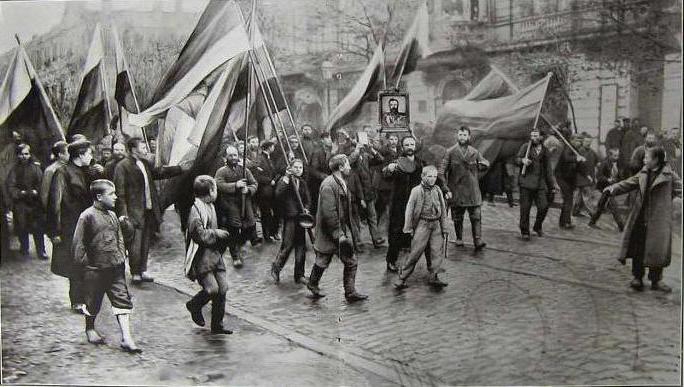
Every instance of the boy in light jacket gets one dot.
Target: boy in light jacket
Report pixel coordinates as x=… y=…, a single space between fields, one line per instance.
x=425 y=220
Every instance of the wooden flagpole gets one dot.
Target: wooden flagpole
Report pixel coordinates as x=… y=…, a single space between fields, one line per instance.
x=536 y=118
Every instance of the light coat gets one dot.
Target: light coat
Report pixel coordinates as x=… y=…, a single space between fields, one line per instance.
x=658 y=215
x=415 y=206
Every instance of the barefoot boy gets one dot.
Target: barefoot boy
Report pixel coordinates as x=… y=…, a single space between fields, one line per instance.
x=98 y=248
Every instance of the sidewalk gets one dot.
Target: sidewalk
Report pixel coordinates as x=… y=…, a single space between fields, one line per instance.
x=43 y=342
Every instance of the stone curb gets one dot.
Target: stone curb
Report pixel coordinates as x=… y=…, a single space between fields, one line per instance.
x=395 y=372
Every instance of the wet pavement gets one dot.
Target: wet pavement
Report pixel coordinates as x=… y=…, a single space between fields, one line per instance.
x=556 y=310
x=42 y=342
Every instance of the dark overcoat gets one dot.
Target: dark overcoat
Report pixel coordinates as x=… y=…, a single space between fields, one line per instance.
x=24 y=185
x=460 y=173
x=69 y=197
x=229 y=200
x=333 y=216
x=402 y=184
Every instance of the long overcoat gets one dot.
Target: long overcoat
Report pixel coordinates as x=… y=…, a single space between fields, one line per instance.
x=460 y=173
x=658 y=216
x=27 y=208
x=69 y=196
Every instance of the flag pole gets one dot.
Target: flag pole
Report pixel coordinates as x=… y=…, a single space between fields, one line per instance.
x=287 y=105
x=271 y=113
x=536 y=119
x=104 y=85
x=34 y=75
x=243 y=207
x=258 y=68
x=131 y=81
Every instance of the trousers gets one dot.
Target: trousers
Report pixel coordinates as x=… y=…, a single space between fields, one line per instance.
x=139 y=246
x=527 y=197
x=110 y=281
x=427 y=236
x=294 y=238
x=475 y=215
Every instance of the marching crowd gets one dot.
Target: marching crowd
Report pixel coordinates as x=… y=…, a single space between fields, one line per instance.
x=98 y=213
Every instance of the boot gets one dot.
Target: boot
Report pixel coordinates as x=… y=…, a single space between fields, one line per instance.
x=436 y=282
x=458 y=229
x=349 y=280
x=275 y=272
x=509 y=199
x=218 y=310
x=195 y=305
x=312 y=285
x=476 y=226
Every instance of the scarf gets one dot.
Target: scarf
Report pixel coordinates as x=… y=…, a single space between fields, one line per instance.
x=205 y=213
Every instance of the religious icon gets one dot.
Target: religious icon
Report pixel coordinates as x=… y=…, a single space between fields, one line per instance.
x=394 y=111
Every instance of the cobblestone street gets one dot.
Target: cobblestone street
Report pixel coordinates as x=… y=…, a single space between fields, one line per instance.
x=556 y=310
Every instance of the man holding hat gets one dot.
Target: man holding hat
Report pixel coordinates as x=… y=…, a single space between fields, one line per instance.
x=334 y=233
x=266 y=174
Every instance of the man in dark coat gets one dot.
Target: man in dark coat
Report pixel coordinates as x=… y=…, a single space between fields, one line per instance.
x=673 y=148
x=118 y=154
x=608 y=173
x=536 y=181
x=139 y=202
x=460 y=173
x=24 y=185
x=334 y=234
x=69 y=197
x=615 y=136
x=405 y=173
x=319 y=169
x=566 y=177
x=290 y=189
x=266 y=174
x=310 y=141
x=586 y=176
x=648 y=236
x=236 y=188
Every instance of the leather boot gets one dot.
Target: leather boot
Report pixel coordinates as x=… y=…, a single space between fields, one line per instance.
x=509 y=199
x=312 y=285
x=476 y=226
x=458 y=228
x=218 y=310
x=195 y=305
x=349 y=280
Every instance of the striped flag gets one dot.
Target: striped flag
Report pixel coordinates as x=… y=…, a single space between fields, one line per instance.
x=90 y=116
x=416 y=45
x=218 y=36
x=26 y=109
x=124 y=92
x=350 y=106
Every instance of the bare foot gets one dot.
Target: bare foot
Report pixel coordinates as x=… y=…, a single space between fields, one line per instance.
x=94 y=337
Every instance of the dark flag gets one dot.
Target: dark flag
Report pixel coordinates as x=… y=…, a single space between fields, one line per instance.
x=351 y=105
x=90 y=113
x=415 y=45
x=26 y=109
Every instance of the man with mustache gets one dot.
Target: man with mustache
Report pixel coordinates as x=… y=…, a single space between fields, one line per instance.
x=536 y=181
x=405 y=174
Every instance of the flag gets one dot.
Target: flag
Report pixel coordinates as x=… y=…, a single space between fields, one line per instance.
x=416 y=45
x=496 y=120
x=26 y=109
x=124 y=92
x=90 y=113
x=203 y=140
x=218 y=36
x=350 y=106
